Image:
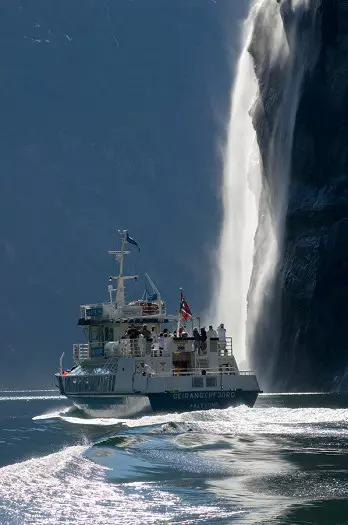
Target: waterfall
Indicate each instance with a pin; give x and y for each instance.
(241, 189)
(276, 51)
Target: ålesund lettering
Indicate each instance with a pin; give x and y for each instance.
(203, 395)
(201, 406)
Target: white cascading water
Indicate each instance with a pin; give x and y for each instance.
(241, 189)
(243, 168)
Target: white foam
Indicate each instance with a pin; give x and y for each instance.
(30, 398)
(66, 488)
(57, 414)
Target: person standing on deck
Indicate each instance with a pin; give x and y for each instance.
(203, 340)
(161, 344)
(221, 332)
(146, 332)
(222, 337)
(197, 340)
(154, 334)
(211, 334)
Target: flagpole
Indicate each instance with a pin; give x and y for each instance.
(178, 327)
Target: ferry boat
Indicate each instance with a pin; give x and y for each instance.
(136, 357)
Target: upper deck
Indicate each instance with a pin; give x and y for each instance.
(109, 312)
(106, 326)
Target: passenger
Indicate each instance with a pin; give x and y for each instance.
(154, 335)
(222, 333)
(211, 334)
(147, 370)
(197, 340)
(133, 332)
(222, 338)
(203, 340)
(146, 332)
(165, 343)
(161, 343)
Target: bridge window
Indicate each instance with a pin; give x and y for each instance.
(95, 334)
(109, 334)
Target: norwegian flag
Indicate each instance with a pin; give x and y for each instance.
(184, 307)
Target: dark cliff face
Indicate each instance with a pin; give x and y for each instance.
(309, 352)
(315, 265)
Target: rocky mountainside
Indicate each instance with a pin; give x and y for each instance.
(301, 338)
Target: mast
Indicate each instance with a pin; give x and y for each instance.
(120, 284)
(123, 237)
(118, 255)
(179, 320)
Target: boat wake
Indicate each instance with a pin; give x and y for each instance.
(233, 421)
(67, 487)
(195, 467)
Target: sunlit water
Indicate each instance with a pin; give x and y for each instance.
(284, 461)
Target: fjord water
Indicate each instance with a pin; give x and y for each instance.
(282, 462)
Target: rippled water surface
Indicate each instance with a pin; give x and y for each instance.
(283, 462)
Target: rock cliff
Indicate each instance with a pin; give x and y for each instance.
(301, 338)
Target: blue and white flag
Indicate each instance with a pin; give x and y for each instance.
(130, 240)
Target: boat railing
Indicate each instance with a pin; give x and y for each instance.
(203, 371)
(138, 347)
(81, 351)
(132, 347)
(228, 370)
(225, 347)
(141, 347)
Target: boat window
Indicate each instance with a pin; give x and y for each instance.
(211, 381)
(90, 384)
(109, 334)
(197, 382)
(95, 334)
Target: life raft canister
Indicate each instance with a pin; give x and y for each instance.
(148, 307)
